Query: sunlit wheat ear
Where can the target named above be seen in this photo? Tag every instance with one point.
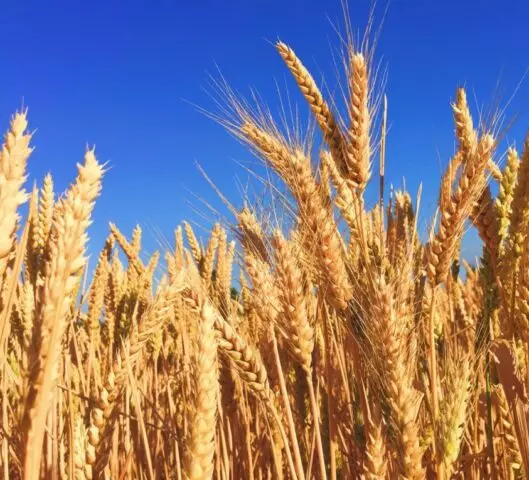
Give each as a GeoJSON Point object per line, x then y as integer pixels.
{"type": "Point", "coordinates": [484, 216]}
{"type": "Point", "coordinates": [453, 413]}
{"type": "Point", "coordinates": [519, 224]}
{"type": "Point", "coordinates": [196, 250]}
{"type": "Point", "coordinates": [348, 202]}
{"type": "Point", "coordinates": [455, 205]}
{"type": "Point", "coordinates": [79, 463]}
{"type": "Point", "coordinates": [359, 145]}
{"type": "Point", "coordinates": [200, 464]}
{"type": "Point", "coordinates": [442, 247]}
{"type": "Point", "coordinates": [505, 195]}
{"type": "Point", "coordinates": [295, 315]}
{"type": "Point", "coordinates": [97, 298]}
{"type": "Point", "coordinates": [179, 248]}
{"type": "Point", "coordinates": [44, 219]}
{"type": "Point", "coordinates": [391, 336]}
{"type": "Point", "coordinates": [271, 148]}
{"type": "Point", "coordinates": [521, 307]}
{"type": "Point", "coordinates": [376, 462]}
{"type": "Point", "coordinates": [465, 132]}
{"type": "Point", "coordinates": [508, 431]}
{"type": "Point", "coordinates": [223, 273]}
{"type": "Point", "coordinates": [324, 117]}
{"type": "Point", "coordinates": [245, 358]}
{"type": "Point", "coordinates": [130, 250]}
{"type": "Point", "coordinates": [228, 267]}
{"type": "Point", "coordinates": [316, 220]}
{"type": "Point", "coordinates": [13, 159]}
{"type": "Point", "coordinates": [135, 242]}
{"type": "Point", "coordinates": [112, 297]}
{"type": "Point", "coordinates": [67, 247]}
{"type": "Point", "coordinates": [208, 261]}
{"type": "Point", "coordinates": [264, 293]}
{"type": "Point", "coordinates": [251, 234]}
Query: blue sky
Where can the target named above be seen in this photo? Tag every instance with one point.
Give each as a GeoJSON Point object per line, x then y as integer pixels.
{"type": "Point", "coordinates": [123, 75]}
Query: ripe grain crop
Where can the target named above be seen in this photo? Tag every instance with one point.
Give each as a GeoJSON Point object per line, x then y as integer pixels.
{"type": "Point", "coordinates": [353, 346]}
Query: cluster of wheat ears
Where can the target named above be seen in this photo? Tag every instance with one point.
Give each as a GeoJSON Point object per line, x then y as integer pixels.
{"type": "Point", "coordinates": [351, 349]}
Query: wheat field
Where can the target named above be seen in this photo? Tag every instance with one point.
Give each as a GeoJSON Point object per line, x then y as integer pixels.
{"type": "Point", "coordinates": [353, 346]}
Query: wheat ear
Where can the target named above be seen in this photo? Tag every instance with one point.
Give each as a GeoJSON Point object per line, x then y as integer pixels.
{"type": "Point", "coordinates": [324, 117]}
{"type": "Point", "coordinates": [200, 463]}
{"type": "Point", "coordinates": [441, 249]}
{"type": "Point", "coordinates": [13, 159]}
{"type": "Point", "coordinates": [193, 242]}
{"type": "Point", "coordinates": [392, 337]}
{"type": "Point", "coordinates": [505, 195]}
{"type": "Point", "coordinates": [359, 146]}
{"type": "Point", "coordinates": [300, 332]}
{"type": "Point", "coordinates": [66, 261]}
{"type": "Point", "coordinates": [452, 415]}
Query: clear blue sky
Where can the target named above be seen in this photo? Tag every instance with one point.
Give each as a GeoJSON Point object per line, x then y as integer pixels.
{"type": "Point", "coordinates": [121, 74]}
